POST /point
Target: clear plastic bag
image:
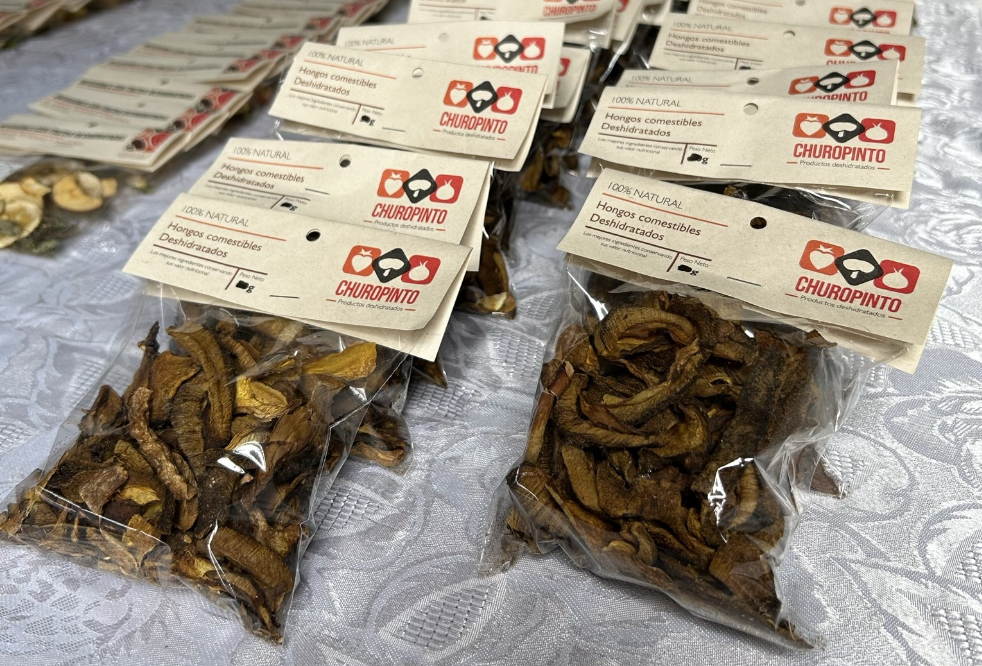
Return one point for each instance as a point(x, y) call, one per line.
point(488, 291)
point(206, 468)
point(671, 430)
point(44, 201)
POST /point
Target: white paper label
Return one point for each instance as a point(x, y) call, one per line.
point(413, 103)
point(874, 82)
point(517, 46)
point(691, 43)
point(299, 266)
point(442, 198)
point(770, 259)
point(893, 17)
point(753, 137)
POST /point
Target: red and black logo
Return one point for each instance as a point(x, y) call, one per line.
point(510, 48)
point(859, 267)
point(149, 140)
point(832, 81)
point(364, 260)
point(843, 128)
point(863, 17)
point(397, 183)
point(483, 96)
point(865, 50)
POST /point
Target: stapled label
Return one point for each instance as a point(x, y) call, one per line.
point(590, 22)
point(891, 17)
point(754, 137)
point(874, 82)
point(414, 103)
point(534, 48)
point(299, 266)
point(437, 197)
point(140, 149)
point(690, 42)
point(768, 258)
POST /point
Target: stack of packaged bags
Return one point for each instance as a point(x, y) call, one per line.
point(135, 112)
point(722, 309)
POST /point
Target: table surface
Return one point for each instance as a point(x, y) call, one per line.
point(890, 574)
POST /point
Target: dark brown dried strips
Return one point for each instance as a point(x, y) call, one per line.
point(204, 468)
point(644, 458)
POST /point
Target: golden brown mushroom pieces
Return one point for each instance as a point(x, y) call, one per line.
point(200, 470)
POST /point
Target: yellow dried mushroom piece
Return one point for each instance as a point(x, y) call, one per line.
point(18, 218)
point(79, 192)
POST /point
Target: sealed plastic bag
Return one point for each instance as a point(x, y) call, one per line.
point(205, 466)
point(44, 201)
point(666, 444)
point(488, 290)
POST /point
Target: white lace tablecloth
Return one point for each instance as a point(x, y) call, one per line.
point(892, 574)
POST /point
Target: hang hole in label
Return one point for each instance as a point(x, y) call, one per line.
point(164, 82)
point(93, 124)
point(418, 73)
point(758, 223)
point(345, 162)
point(140, 105)
point(444, 36)
point(800, 3)
point(750, 109)
point(753, 81)
point(788, 34)
point(313, 235)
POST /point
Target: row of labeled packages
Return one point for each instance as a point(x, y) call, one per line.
point(691, 384)
point(138, 111)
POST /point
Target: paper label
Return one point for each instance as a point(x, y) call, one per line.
point(754, 137)
point(79, 104)
point(32, 15)
point(318, 23)
point(246, 72)
point(768, 258)
point(412, 103)
point(257, 39)
point(891, 17)
point(534, 48)
point(874, 82)
point(689, 43)
point(441, 198)
point(242, 23)
point(140, 149)
point(10, 17)
point(191, 49)
point(299, 266)
point(574, 65)
point(626, 17)
point(590, 21)
point(197, 95)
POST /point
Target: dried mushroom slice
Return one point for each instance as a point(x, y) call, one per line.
point(644, 453)
point(201, 471)
point(79, 192)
